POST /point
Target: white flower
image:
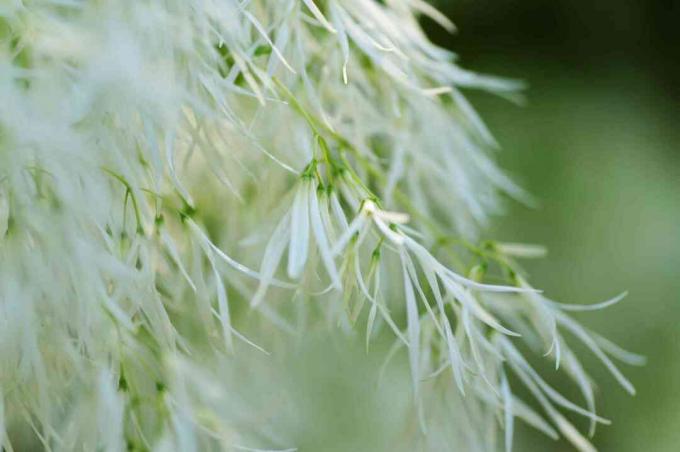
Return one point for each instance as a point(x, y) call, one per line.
point(142, 142)
point(308, 218)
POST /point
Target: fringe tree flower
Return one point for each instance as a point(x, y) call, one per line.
point(166, 167)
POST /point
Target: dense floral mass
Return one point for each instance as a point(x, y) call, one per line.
point(178, 178)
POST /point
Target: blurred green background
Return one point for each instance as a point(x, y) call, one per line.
point(598, 143)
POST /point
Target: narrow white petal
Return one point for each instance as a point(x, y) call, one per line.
point(375, 304)
point(355, 226)
point(208, 245)
point(434, 14)
point(339, 214)
point(321, 238)
point(630, 358)
point(589, 342)
point(524, 250)
point(508, 411)
point(342, 39)
point(319, 15)
point(264, 34)
point(562, 424)
point(465, 298)
point(299, 233)
point(455, 359)
point(528, 415)
point(172, 250)
point(591, 307)
point(272, 256)
point(413, 327)
point(578, 374)
point(394, 237)
point(547, 389)
point(476, 355)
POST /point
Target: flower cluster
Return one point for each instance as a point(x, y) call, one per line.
point(169, 169)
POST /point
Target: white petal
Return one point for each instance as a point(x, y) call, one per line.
point(588, 341)
point(299, 233)
point(508, 411)
point(357, 224)
point(413, 327)
point(455, 359)
point(321, 238)
point(272, 256)
point(591, 307)
point(319, 15)
point(264, 34)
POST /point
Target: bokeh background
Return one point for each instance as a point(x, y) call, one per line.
point(598, 142)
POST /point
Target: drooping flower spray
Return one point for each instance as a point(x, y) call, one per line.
point(182, 178)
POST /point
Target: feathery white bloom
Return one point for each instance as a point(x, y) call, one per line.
point(154, 154)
